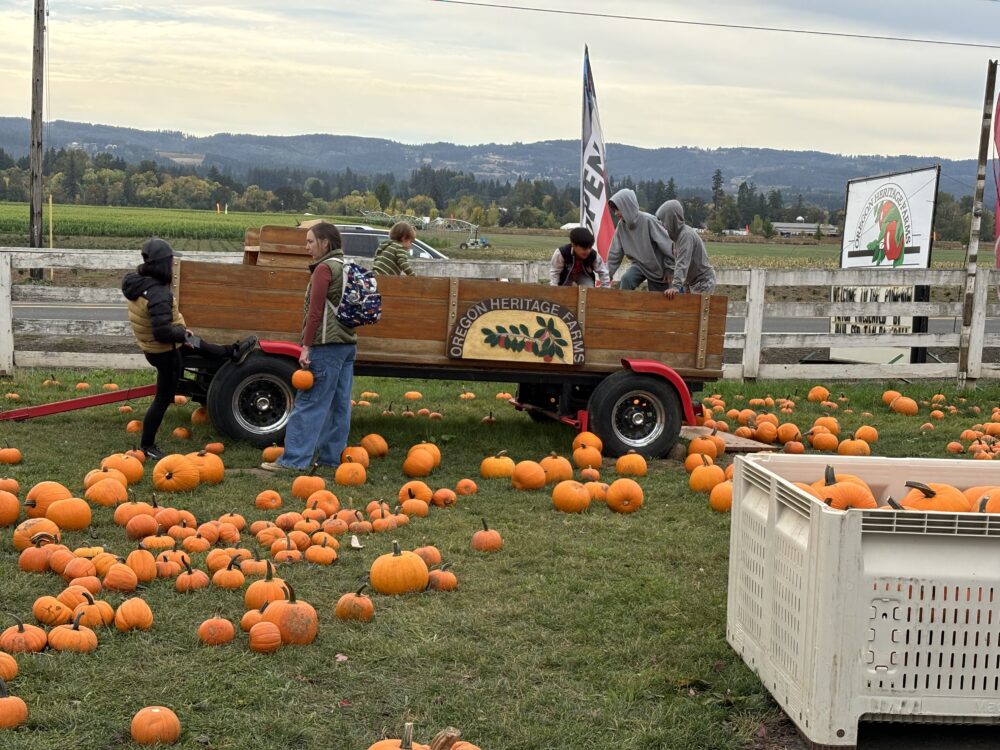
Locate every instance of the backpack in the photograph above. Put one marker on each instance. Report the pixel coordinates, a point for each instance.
(360, 301)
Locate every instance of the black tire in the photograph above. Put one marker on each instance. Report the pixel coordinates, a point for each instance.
(486, 246)
(252, 401)
(635, 412)
(463, 246)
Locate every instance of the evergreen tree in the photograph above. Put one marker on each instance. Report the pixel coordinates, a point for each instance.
(717, 191)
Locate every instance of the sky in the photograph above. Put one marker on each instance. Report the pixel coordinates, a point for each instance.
(421, 71)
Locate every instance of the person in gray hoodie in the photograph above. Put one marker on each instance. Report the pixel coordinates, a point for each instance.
(691, 267)
(640, 238)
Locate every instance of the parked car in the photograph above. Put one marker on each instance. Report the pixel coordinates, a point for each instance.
(362, 241)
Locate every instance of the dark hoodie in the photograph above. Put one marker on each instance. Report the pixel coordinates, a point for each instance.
(691, 266)
(156, 322)
(640, 238)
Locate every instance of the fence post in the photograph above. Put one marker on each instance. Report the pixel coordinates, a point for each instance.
(6, 315)
(977, 333)
(753, 324)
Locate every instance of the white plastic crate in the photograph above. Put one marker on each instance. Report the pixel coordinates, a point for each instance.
(877, 615)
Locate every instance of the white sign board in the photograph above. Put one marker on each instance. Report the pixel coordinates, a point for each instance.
(889, 221)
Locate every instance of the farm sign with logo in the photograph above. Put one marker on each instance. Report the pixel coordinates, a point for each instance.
(889, 221)
(518, 329)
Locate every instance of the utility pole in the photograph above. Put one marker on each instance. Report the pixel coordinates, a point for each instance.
(972, 254)
(35, 155)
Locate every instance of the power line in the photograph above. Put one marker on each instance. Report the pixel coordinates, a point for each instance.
(715, 25)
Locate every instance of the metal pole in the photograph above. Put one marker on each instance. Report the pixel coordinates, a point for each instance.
(37, 83)
(972, 254)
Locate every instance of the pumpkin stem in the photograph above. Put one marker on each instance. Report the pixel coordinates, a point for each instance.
(983, 501)
(232, 562)
(187, 565)
(407, 742)
(485, 527)
(829, 476)
(290, 591)
(893, 504)
(269, 576)
(444, 739)
(928, 492)
(79, 615)
(396, 552)
(20, 623)
(364, 585)
(42, 537)
(90, 599)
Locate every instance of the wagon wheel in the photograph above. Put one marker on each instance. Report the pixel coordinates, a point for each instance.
(635, 412)
(463, 246)
(253, 401)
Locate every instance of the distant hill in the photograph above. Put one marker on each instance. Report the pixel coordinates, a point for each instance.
(818, 176)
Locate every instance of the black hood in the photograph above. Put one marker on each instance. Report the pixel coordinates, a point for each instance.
(135, 284)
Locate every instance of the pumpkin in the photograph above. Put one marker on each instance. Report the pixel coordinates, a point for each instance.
(624, 495)
(356, 453)
(350, 473)
(268, 589)
(78, 567)
(355, 606)
(211, 470)
(904, 405)
(74, 637)
(35, 559)
(415, 490)
(176, 473)
(155, 725)
(429, 554)
(375, 445)
(41, 496)
(133, 614)
(867, 433)
(444, 497)
(413, 395)
(856, 447)
(71, 513)
(703, 478)
(720, 499)
(10, 508)
(21, 638)
(442, 579)
(398, 572)
(703, 445)
(487, 539)
(216, 631)
(96, 475)
(556, 468)
(230, 577)
(499, 466)
(570, 496)
(306, 484)
(50, 611)
(120, 577)
(528, 475)
(845, 495)
(631, 464)
(94, 612)
(10, 455)
(321, 554)
(272, 453)
(935, 496)
(586, 456)
(818, 393)
(8, 666)
(13, 710)
(466, 486)
(264, 637)
(8, 484)
(128, 465)
(405, 743)
(418, 463)
(190, 579)
(268, 500)
(296, 619)
(107, 492)
(302, 379)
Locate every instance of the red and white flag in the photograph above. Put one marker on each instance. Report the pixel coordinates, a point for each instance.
(594, 211)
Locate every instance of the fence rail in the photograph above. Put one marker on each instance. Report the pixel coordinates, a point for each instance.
(753, 285)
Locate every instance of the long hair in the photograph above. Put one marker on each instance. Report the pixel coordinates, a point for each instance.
(327, 231)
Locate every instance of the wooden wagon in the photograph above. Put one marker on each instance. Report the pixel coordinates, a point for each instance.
(621, 363)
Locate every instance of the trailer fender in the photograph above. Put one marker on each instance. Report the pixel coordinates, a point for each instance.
(281, 348)
(652, 367)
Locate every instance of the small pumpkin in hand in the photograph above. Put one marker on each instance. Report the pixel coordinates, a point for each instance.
(302, 379)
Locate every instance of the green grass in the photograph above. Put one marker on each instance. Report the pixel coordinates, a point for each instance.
(596, 630)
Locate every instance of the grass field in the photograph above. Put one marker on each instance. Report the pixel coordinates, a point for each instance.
(595, 630)
(84, 227)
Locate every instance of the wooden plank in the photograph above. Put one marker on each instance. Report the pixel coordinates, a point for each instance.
(977, 329)
(6, 315)
(248, 318)
(734, 443)
(756, 292)
(864, 277)
(861, 371)
(822, 340)
(673, 340)
(82, 295)
(81, 360)
(889, 309)
(76, 328)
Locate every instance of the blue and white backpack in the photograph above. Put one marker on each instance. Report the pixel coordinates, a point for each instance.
(360, 302)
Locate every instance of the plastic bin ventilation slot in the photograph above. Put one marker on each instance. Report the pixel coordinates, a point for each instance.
(879, 615)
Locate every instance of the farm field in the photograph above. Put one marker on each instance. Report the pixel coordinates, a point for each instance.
(594, 630)
(102, 227)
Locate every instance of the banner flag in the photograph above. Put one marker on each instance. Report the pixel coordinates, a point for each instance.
(594, 211)
(996, 182)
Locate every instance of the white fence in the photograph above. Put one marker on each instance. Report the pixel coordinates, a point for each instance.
(752, 341)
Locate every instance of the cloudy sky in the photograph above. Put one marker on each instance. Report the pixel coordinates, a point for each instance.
(419, 70)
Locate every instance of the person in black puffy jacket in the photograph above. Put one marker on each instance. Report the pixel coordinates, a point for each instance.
(162, 335)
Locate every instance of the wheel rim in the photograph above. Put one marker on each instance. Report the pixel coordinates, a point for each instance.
(638, 418)
(262, 404)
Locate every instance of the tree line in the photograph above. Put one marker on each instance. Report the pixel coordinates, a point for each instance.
(103, 179)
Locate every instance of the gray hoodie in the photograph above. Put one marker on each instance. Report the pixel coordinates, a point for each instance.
(691, 266)
(640, 238)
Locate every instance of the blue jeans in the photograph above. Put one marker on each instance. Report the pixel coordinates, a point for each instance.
(321, 417)
(633, 278)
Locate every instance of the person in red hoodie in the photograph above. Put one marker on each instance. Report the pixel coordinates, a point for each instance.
(163, 336)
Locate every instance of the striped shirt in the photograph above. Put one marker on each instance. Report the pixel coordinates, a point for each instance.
(392, 259)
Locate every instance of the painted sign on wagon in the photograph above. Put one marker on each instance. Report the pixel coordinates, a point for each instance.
(518, 329)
